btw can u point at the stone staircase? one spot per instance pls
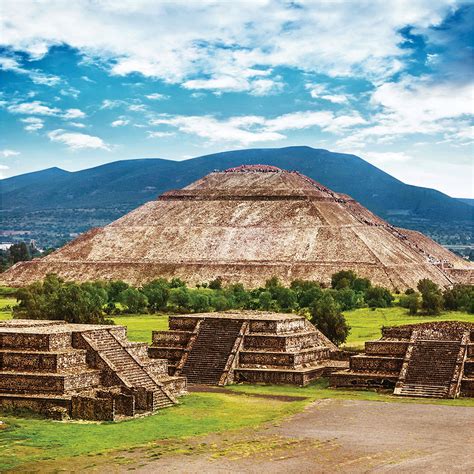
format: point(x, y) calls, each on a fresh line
point(430, 369)
point(126, 367)
point(210, 351)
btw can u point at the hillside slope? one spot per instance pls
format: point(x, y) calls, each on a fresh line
point(117, 187)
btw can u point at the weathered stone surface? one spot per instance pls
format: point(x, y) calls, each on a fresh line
point(434, 359)
point(248, 346)
point(246, 225)
point(82, 371)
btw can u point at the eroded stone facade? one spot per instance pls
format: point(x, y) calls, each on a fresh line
point(220, 348)
point(433, 359)
point(80, 371)
point(246, 225)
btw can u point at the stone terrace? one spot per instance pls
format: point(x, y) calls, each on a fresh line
point(434, 360)
point(80, 371)
point(221, 348)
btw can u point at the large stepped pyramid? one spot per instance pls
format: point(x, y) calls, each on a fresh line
point(80, 371)
point(246, 225)
point(248, 346)
point(432, 360)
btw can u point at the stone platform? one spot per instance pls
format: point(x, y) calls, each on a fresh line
point(221, 348)
point(80, 371)
point(434, 360)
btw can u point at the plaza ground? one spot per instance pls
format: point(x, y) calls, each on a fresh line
point(255, 428)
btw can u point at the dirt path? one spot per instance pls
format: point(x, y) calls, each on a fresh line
point(328, 436)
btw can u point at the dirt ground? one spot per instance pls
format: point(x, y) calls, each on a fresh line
point(328, 436)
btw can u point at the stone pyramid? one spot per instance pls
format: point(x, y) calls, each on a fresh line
point(247, 224)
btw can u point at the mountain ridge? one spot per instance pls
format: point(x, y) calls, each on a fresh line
point(112, 189)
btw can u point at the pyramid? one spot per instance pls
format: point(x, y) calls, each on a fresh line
point(247, 224)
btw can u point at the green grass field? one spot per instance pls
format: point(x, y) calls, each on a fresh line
point(366, 324)
point(25, 442)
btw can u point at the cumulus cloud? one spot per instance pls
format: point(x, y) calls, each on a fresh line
point(250, 129)
point(6, 153)
point(8, 63)
point(33, 108)
point(222, 40)
point(77, 141)
point(157, 96)
point(120, 123)
point(71, 114)
point(33, 124)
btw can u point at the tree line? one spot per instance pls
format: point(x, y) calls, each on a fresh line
point(95, 302)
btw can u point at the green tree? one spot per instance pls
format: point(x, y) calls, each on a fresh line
point(326, 316)
point(431, 297)
point(134, 300)
point(180, 298)
point(157, 293)
point(378, 297)
point(114, 289)
point(411, 302)
point(216, 284)
point(343, 279)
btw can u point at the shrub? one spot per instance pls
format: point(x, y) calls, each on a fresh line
point(459, 297)
point(343, 279)
point(378, 297)
point(157, 293)
point(134, 300)
point(327, 317)
point(411, 302)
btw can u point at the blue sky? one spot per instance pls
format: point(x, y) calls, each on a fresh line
point(88, 82)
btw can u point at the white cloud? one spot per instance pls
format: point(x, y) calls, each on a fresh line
point(223, 40)
point(111, 104)
point(335, 98)
point(416, 106)
point(33, 124)
point(76, 124)
point(119, 123)
point(77, 141)
point(250, 129)
point(33, 108)
point(6, 153)
point(137, 107)
point(160, 134)
point(11, 64)
point(71, 114)
point(156, 96)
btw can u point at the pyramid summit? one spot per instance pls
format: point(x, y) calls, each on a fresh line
point(247, 224)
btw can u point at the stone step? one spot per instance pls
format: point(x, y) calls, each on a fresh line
point(39, 361)
point(30, 382)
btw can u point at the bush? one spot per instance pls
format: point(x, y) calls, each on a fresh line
point(179, 299)
point(378, 297)
point(134, 300)
point(459, 297)
point(327, 317)
point(157, 293)
point(58, 300)
point(411, 302)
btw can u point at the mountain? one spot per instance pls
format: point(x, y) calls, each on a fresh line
point(114, 188)
point(245, 225)
point(467, 201)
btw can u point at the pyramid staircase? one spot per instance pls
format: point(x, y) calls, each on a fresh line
point(114, 353)
point(253, 347)
point(431, 360)
point(209, 354)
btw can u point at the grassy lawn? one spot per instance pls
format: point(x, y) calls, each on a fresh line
point(367, 324)
point(5, 305)
point(140, 326)
point(32, 440)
